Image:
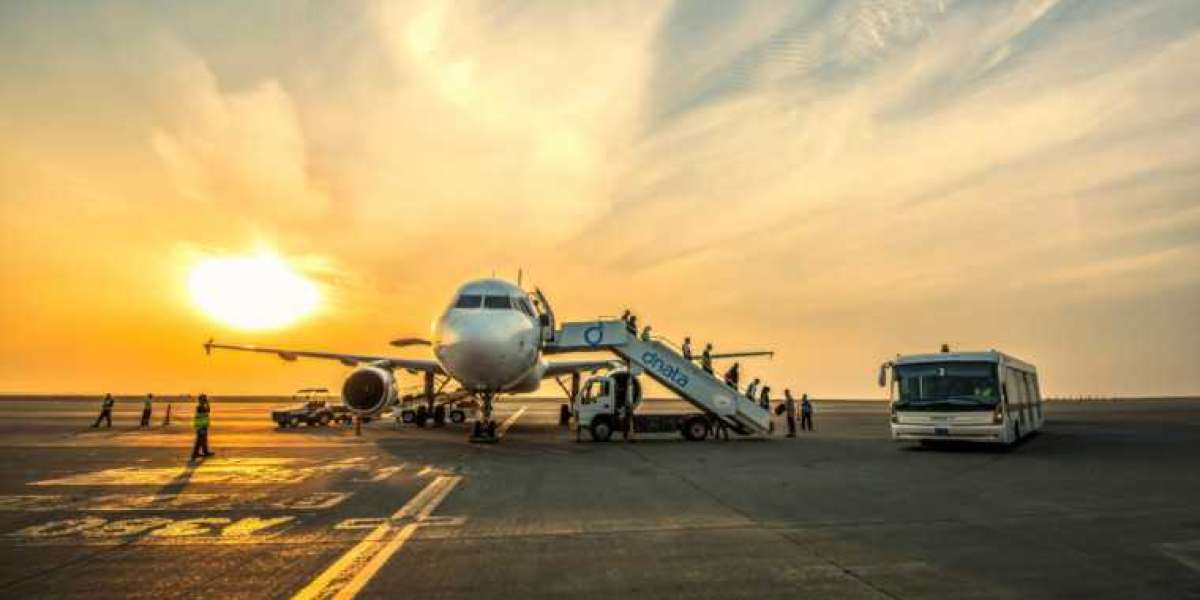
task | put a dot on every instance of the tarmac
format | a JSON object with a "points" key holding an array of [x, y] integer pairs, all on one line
{"points": [[1103, 503]]}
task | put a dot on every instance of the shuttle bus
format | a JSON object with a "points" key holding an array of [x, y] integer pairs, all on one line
{"points": [[970, 396]]}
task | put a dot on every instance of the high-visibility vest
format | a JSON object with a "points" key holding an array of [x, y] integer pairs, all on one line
{"points": [[200, 420]]}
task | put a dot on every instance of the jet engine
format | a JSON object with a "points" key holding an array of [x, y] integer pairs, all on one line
{"points": [[367, 391]]}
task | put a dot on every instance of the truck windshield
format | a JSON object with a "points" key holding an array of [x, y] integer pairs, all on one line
{"points": [[947, 386]]}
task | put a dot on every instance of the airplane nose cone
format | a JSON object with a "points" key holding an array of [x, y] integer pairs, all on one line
{"points": [[476, 352]]}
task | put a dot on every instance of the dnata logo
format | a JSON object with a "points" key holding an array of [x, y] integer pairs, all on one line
{"points": [[654, 362], [594, 335]]}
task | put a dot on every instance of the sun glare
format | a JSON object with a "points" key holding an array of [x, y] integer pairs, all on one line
{"points": [[252, 292]]}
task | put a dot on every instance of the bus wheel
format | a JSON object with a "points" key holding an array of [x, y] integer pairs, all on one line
{"points": [[695, 429], [601, 430]]}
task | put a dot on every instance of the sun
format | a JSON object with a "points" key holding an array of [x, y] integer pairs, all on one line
{"points": [[255, 292]]}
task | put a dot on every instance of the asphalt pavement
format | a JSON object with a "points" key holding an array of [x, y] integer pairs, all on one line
{"points": [[1103, 503]]}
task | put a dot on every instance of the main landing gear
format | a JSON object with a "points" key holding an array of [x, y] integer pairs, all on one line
{"points": [[484, 430]]}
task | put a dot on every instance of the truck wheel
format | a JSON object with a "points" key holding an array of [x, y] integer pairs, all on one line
{"points": [[294, 422], [457, 416], [281, 423], [408, 416], [564, 415], [324, 419], [439, 416], [601, 429], [422, 416], [695, 429]]}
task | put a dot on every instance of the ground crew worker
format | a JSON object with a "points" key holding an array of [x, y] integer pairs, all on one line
{"points": [[200, 422], [764, 399], [706, 359], [646, 334], [687, 349], [147, 408], [789, 406], [105, 412], [731, 377], [631, 324], [805, 413], [750, 389]]}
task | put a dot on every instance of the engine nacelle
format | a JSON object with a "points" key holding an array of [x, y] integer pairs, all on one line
{"points": [[369, 390]]}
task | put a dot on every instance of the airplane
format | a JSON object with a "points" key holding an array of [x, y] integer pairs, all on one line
{"points": [[489, 340]]}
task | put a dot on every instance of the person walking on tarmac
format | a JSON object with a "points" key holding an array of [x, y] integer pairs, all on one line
{"points": [[686, 349], [147, 409], [646, 334], [200, 422], [706, 359], [764, 399], [731, 377], [789, 406], [105, 412], [805, 413], [631, 324]]}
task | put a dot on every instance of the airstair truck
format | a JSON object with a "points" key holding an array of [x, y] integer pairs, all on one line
{"points": [[715, 401]]}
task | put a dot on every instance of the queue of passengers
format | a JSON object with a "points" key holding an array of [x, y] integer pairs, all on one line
{"points": [[732, 376]]}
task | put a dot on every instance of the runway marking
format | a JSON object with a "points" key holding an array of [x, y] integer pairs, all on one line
{"points": [[351, 572], [500, 431], [1187, 553], [99, 530], [172, 502], [231, 471], [380, 475]]}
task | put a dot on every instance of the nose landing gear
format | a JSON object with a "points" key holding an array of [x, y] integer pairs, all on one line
{"points": [[484, 430]]}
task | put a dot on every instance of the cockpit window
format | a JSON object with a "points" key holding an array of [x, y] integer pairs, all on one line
{"points": [[523, 304], [497, 302], [468, 301]]}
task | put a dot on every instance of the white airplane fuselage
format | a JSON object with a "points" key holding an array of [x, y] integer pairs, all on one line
{"points": [[488, 338]]}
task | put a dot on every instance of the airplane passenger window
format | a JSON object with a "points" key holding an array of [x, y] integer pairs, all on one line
{"points": [[468, 301], [497, 302]]}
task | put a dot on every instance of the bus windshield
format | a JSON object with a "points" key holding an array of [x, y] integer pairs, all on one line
{"points": [[947, 386]]}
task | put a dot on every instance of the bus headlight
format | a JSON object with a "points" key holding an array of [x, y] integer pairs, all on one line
{"points": [[998, 415]]}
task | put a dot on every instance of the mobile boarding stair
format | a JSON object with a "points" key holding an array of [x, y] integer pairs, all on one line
{"points": [[668, 367]]}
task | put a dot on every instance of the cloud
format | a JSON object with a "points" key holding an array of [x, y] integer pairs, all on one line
{"points": [[243, 150]]}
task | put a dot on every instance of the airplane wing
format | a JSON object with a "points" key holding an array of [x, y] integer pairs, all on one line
{"points": [[409, 364], [566, 367]]}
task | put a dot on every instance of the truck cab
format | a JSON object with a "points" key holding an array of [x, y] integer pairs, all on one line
{"points": [[610, 402]]}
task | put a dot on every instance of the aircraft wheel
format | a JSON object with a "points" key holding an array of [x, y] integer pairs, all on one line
{"points": [[422, 416], [695, 429], [601, 429], [439, 416]]}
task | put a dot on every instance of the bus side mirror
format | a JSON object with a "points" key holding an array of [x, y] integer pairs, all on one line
{"points": [[883, 375], [544, 319]]}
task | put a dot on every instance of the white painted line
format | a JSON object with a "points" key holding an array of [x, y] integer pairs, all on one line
{"points": [[509, 421], [353, 570]]}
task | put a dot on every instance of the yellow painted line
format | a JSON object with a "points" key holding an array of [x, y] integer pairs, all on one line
{"points": [[354, 569], [509, 421]]}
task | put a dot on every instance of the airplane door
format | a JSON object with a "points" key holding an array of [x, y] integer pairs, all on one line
{"points": [[545, 315]]}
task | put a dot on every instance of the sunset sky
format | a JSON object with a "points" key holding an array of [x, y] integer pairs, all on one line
{"points": [[838, 181]]}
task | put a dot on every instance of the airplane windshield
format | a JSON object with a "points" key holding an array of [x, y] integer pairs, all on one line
{"points": [[468, 301], [498, 302], [947, 386]]}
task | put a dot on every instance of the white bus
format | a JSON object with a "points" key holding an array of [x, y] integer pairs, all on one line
{"points": [[972, 396]]}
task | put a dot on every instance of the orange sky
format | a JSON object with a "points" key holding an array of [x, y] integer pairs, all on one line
{"points": [[840, 184]]}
